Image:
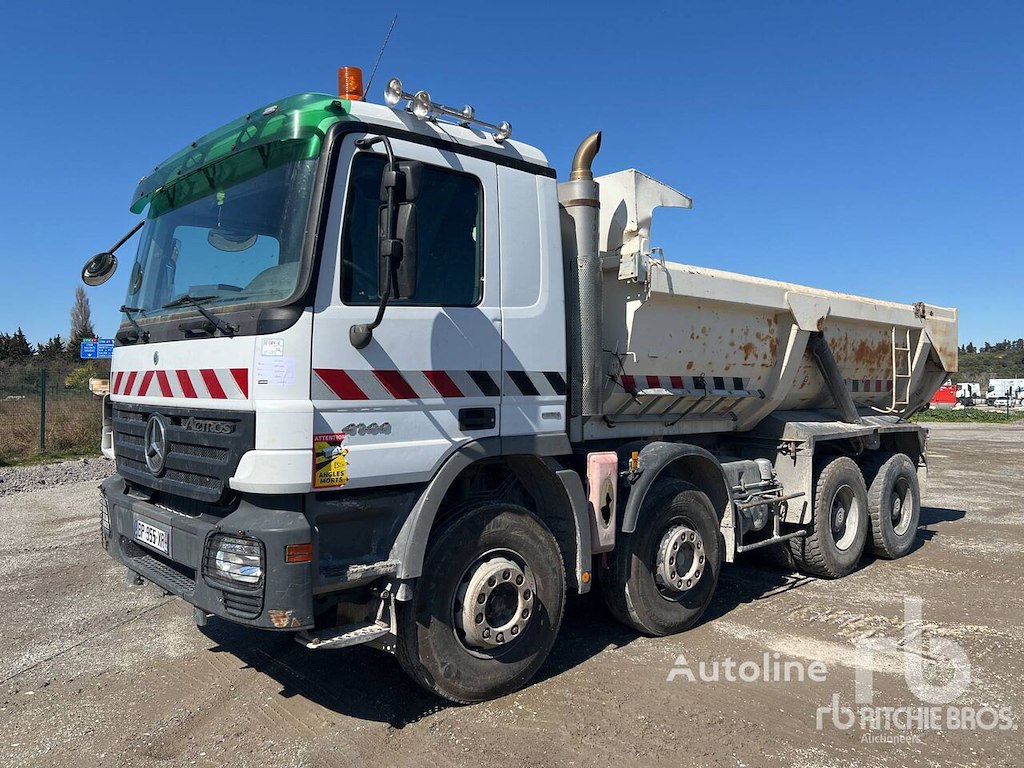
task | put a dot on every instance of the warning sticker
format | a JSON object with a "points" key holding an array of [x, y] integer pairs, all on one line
{"points": [[330, 462]]}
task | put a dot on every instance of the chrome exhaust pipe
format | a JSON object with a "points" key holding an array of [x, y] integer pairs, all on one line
{"points": [[584, 158], [581, 199]]}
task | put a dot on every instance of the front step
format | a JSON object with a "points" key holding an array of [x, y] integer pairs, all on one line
{"points": [[342, 637]]}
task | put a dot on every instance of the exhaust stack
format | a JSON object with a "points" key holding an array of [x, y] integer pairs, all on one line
{"points": [[581, 200], [584, 158]]}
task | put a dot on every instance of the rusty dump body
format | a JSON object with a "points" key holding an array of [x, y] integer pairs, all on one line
{"points": [[693, 350]]}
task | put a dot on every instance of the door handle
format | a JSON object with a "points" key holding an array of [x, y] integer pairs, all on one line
{"points": [[476, 418]]}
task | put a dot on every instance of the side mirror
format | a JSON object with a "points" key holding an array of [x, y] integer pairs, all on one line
{"points": [[404, 265], [99, 268], [396, 250], [409, 182]]}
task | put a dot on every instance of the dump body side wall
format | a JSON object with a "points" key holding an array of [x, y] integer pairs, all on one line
{"points": [[697, 350]]}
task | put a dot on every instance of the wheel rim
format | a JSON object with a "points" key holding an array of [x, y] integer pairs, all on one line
{"points": [[901, 506], [681, 560], [494, 602], [844, 515]]}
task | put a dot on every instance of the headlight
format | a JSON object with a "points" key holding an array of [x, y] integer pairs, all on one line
{"points": [[232, 558]]}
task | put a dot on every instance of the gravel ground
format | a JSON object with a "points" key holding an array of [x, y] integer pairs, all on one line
{"points": [[35, 476], [96, 673]]}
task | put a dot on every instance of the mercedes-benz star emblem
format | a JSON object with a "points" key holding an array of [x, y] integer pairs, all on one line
{"points": [[155, 441], [156, 358]]}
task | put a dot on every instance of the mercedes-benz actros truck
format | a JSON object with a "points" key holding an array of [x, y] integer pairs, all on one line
{"points": [[381, 378]]}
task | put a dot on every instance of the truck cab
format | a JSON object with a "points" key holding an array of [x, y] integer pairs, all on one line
{"points": [[265, 462]]}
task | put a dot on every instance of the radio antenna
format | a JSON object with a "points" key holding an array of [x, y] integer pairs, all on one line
{"points": [[379, 54]]}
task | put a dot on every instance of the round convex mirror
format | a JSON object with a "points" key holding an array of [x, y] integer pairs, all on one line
{"points": [[99, 268]]}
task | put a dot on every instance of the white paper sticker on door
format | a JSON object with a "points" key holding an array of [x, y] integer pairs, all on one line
{"points": [[275, 371]]}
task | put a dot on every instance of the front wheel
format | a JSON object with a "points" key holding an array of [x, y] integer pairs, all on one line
{"points": [[660, 578], [486, 611]]}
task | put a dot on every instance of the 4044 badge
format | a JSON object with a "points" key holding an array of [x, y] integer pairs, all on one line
{"points": [[330, 460]]}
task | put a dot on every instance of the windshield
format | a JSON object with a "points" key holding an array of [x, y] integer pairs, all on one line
{"points": [[230, 235]]}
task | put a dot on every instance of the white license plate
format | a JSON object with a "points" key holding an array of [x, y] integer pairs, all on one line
{"points": [[153, 535]]}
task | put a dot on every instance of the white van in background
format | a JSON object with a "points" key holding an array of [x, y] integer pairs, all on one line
{"points": [[1005, 392]]}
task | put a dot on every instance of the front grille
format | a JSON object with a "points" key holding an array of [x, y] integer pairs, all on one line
{"points": [[192, 478], [189, 507], [198, 464], [203, 451]]}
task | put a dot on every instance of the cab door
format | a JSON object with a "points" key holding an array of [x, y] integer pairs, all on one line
{"points": [[430, 380]]}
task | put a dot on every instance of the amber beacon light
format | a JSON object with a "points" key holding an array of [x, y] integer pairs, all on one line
{"points": [[350, 83]]}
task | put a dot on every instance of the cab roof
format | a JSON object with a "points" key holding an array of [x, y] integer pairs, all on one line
{"points": [[308, 116]]}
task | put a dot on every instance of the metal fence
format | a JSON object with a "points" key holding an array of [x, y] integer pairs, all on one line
{"points": [[48, 411]]}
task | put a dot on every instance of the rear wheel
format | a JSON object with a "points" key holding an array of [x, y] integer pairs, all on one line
{"points": [[660, 578], [485, 612], [894, 501], [835, 540]]}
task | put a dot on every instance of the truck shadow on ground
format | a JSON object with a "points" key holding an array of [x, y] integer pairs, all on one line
{"points": [[930, 517], [934, 516], [366, 684]]}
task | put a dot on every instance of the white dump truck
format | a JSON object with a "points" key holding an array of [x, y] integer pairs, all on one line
{"points": [[382, 379]]}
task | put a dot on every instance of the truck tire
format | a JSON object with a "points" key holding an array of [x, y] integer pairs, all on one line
{"points": [[839, 525], [660, 578], [894, 501], [486, 611]]}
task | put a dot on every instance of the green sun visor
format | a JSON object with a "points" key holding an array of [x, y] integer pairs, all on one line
{"points": [[289, 129]]}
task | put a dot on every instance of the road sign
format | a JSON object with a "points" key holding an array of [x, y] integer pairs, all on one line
{"points": [[97, 348]]}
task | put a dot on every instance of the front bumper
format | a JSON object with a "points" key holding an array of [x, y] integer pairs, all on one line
{"points": [[281, 600]]}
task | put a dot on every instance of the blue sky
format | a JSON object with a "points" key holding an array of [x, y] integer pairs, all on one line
{"points": [[872, 147]]}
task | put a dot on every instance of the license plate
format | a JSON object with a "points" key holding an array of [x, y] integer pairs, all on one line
{"points": [[153, 535]]}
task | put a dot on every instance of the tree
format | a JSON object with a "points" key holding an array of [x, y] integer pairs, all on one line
{"points": [[81, 322], [52, 349], [18, 349], [81, 316]]}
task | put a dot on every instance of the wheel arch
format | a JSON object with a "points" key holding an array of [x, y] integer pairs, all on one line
{"points": [[680, 461], [553, 493]]}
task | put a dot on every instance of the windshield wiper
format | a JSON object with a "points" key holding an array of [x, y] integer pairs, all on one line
{"points": [[228, 329], [140, 333]]}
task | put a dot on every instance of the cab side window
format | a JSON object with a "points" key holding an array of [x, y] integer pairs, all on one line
{"points": [[449, 241]]}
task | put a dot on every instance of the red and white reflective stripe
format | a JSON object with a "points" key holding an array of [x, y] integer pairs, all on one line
{"points": [[191, 383], [334, 383]]}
